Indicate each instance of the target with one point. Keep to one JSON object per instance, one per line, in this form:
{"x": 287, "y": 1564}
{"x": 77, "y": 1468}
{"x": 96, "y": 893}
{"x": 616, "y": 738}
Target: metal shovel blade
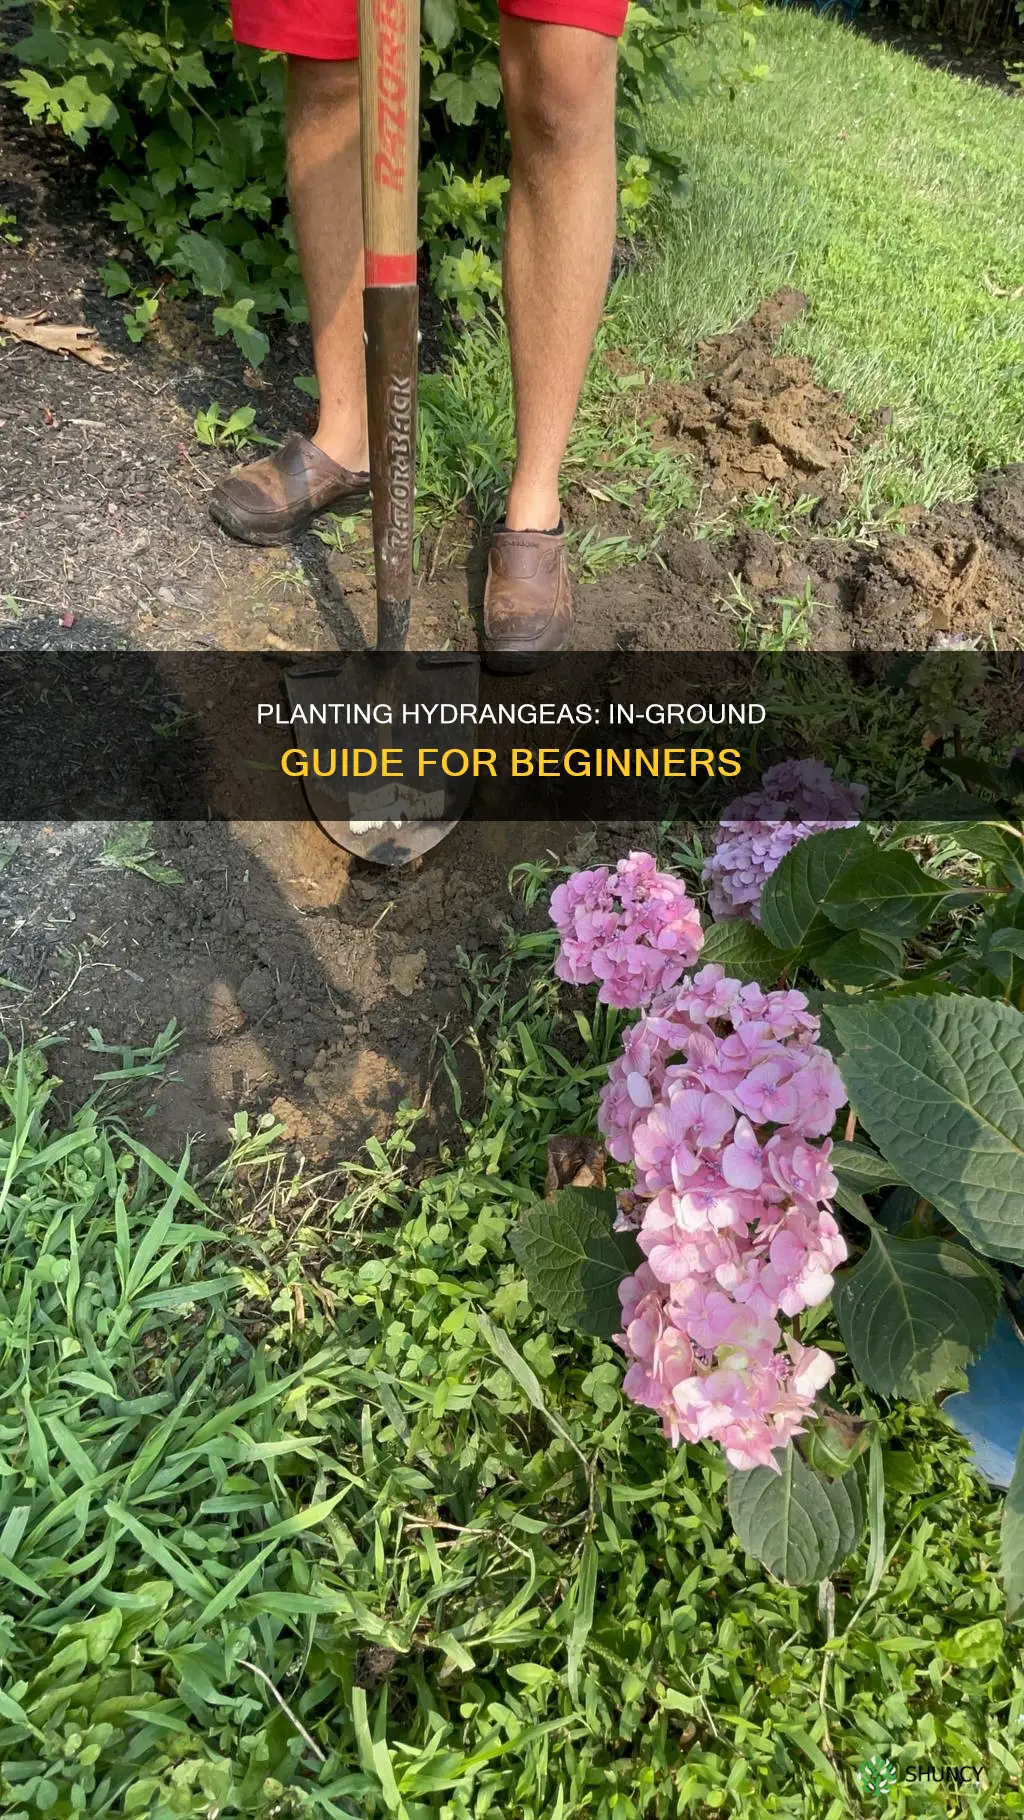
{"x": 379, "y": 724}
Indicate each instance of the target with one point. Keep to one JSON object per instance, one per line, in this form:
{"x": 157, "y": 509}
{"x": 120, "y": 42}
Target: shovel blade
{"x": 389, "y": 819}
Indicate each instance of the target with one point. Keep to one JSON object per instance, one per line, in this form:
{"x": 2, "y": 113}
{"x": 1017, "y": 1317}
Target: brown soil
{"x": 302, "y": 981}
{"x": 753, "y": 421}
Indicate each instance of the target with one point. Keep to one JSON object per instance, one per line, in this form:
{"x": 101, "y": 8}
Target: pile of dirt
{"x": 755, "y": 421}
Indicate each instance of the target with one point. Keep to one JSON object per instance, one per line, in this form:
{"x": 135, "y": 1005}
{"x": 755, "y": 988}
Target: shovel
{"x": 391, "y": 821}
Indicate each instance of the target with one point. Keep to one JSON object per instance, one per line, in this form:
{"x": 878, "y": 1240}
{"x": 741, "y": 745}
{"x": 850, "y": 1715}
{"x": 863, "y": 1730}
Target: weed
{"x": 141, "y": 321}
{"x": 792, "y": 630}
{"x": 766, "y": 512}
{"x": 9, "y": 221}
{"x": 130, "y": 849}
{"x": 336, "y": 531}
{"x": 594, "y": 555}
{"x": 236, "y": 431}
{"x": 668, "y": 488}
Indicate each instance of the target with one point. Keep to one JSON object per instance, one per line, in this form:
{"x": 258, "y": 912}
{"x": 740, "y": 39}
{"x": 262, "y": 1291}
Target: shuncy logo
{"x": 877, "y": 1776}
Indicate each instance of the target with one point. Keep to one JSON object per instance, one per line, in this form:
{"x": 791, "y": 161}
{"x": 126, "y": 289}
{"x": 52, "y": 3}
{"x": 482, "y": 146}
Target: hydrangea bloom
{"x": 796, "y": 799}
{"x": 718, "y": 1098}
{"x": 632, "y": 931}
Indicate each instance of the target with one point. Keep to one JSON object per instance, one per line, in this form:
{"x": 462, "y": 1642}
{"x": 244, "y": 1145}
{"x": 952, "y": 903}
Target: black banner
{"x": 133, "y": 735}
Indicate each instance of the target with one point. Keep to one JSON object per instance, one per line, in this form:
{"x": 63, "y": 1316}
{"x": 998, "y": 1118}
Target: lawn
{"x": 889, "y": 192}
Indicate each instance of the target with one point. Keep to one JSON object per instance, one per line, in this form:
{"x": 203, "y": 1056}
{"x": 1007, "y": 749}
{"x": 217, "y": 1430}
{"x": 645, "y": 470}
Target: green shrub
{"x": 193, "y": 129}
{"x": 971, "y": 22}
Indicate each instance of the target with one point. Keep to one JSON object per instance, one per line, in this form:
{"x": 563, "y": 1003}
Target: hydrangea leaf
{"x": 574, "y": 1261}
{"x": 861, "y": 958}
{"x": 938, "y": 1085}
{"x": 863, "y": 1169}
{"x": 744, "y": 951}
{"x": 914, "y": 1312}
{"x": 1012, "y": 1550}
{"x": 797, "y": 1522}
{"x": 889, "y": 892}
{"x": 797, "y": 891}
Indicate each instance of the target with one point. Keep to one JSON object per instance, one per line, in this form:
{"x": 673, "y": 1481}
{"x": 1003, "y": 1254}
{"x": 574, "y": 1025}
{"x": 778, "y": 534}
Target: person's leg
{"x": 324, "y": 191}
{"x": 559, "y": 83}
{"x": 269, "y": 500}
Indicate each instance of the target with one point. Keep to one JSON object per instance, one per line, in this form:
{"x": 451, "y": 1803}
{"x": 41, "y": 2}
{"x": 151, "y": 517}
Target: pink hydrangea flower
{"x": 716, "y": 1101}
{"x": 797, "y": 799}
{"x": 632, "y": 932}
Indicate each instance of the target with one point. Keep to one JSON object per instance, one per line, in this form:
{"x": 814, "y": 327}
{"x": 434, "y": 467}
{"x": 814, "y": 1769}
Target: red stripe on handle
{"x": 390, "y": 268}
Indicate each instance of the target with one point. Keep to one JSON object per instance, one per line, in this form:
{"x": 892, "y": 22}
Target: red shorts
{"x": 327, "y": 28}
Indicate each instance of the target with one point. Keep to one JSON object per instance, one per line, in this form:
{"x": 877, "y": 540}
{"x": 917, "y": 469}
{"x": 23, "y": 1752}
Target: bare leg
{"x": 559, "y": 86}
{"x": 324, "y": 188}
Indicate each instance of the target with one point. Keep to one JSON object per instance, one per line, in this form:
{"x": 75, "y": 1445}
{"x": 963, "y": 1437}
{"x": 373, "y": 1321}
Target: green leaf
{"x": 861, "y": 958}
{"x": 914, "y": 1312}
{"x": 975, "y": 1646}
{"x": 574, "y": 1261}
{"x": 794, "y": 896}
{"x": 441, "y": 19}
{"x": 1012, "y": 1549}
{"x": 462, "y": 94}
{"x": 863, "y": 1169}
{"x": 744, "y": 951}
{"x": 237, "y": 321}
{"x": 889, "y": 891}
{"x": 115, "y": 280}
{"x": 996, "y": 842}
{"x": 798, "y": 1523}
{"x": 207, "y": 261}
{"x": 938, "y": 1084}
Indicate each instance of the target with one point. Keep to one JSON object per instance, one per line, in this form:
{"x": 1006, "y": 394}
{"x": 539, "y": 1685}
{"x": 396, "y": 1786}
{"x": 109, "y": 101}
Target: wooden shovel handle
{"x": 389, "y": 97}
{"x": 389, "y": 91}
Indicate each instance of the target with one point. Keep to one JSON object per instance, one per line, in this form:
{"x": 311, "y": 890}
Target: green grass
{"x": 255, "y": 1429}
{"x": 887, "y": 191}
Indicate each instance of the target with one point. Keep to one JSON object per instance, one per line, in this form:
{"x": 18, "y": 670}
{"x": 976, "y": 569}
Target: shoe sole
{"x": 246, "y": 531}
{"x": 520, "y": 663}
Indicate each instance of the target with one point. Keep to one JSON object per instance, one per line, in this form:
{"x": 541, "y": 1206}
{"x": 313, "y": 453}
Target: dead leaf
{"x": 57, "y": 337}
{"x": 573, "y": 1162}
{"x": 67, "y": 620}
{"x": 1000, "y": 290}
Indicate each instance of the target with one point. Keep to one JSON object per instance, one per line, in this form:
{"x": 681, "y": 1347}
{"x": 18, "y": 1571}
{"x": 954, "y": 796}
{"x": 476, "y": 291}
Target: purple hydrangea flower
{"x": 798, "y": 798}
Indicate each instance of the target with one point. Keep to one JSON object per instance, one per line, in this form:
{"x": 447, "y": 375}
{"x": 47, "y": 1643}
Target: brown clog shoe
{"x": 527, "y": 599}
{"x": 270, "y": 500}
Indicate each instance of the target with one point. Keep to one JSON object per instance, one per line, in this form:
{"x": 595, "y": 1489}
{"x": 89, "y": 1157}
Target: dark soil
{"x": 302, "y": 981}
{"x": 987, "y": 63}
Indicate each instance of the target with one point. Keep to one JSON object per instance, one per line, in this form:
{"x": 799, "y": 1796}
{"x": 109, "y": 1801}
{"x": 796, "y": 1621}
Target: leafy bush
{"x": 725, "y": 1227}
{"x": 193, "y": 128}
{"x": 970, "y": 22}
